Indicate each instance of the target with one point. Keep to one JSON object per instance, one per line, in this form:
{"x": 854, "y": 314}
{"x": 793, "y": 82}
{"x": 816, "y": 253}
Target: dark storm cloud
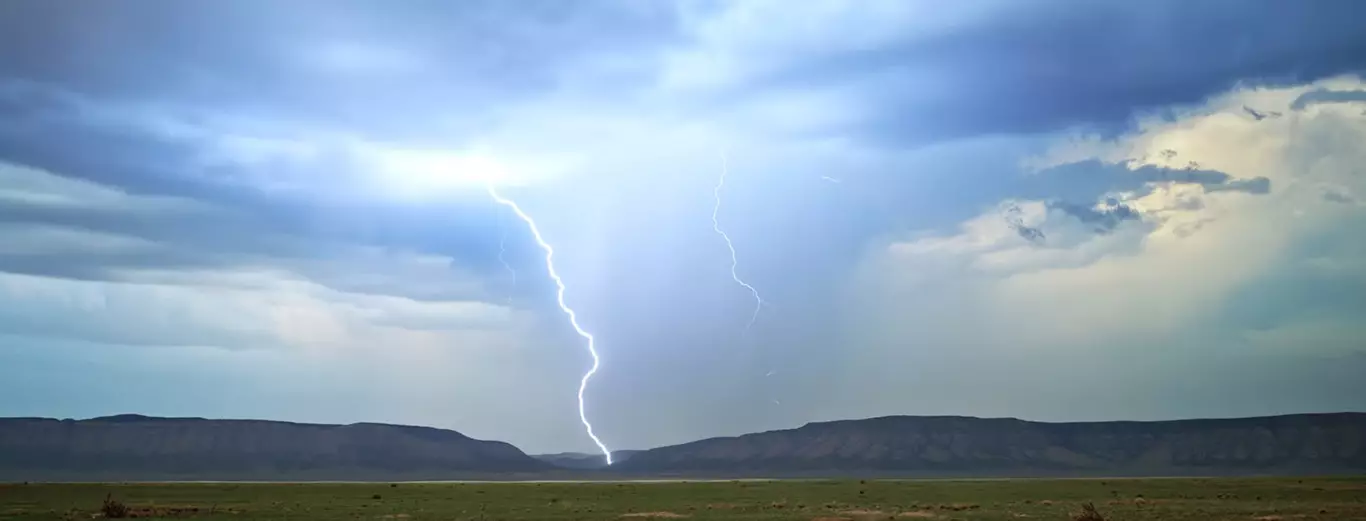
{"x": 1083, "y": 181}
{"x": 1327, "y": 96}
{"x": 1102, "y": 219}
{"x": 1338, "y": 196}
{"x": 1013, "y": 219}
{"x": 1256, "y": 185}
{"x": 355, "y": 246}
{"x": 1260, "y": 115}
{"x": 87, "y": 92}
{"x": 1211, "y": 180}
{"x": 354, "y": 63}
{"x": 1049, "y": 64}
{"x": 84, "y": 86}
{"x": 963, "y": 191}
{"x": 55, "y": 131}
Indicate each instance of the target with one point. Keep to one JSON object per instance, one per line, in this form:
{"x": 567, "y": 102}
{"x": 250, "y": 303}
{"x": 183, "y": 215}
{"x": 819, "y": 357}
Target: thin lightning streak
{"x": 734, "y": 261}
{"x": 559, "y": 297}
{"x": 502, "y": 251}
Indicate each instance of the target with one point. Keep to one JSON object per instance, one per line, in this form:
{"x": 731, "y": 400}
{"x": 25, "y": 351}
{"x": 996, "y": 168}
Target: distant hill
{"x": 946, "y": 445}
{"x": 132, "y": 447}
{"x": 583, "y": 461}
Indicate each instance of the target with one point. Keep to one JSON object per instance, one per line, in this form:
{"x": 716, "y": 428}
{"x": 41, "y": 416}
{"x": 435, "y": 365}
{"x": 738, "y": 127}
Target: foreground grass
{"x": 1258, "y": 499}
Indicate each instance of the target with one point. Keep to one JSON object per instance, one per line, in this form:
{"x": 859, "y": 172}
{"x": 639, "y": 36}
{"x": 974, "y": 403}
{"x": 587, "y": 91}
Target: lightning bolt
{"x": 559, "y": 297}
{"x": 502, "y": 252}
{"x": 734, "y": 261}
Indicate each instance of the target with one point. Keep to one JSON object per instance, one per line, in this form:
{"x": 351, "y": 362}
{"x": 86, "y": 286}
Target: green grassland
{"x": 1261, "y": 499}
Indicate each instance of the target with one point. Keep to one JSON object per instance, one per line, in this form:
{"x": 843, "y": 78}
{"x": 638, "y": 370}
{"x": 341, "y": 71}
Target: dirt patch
{"x": 395, "y": 516}
{"x": 918, "y": 514}
{"x": 832, "y": 519}
{"x": 670, "y": 515}
{"x": 959, "y": 507}
{"x": 863, "y": 513}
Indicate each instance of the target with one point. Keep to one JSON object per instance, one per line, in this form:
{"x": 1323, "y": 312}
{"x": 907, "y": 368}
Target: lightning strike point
{"x": 734, "y": 261}
{"x": 569, "y": 312}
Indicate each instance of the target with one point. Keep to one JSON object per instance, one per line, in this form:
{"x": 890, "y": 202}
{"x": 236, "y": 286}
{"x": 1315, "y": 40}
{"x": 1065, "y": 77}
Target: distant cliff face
{"x": 138, "y": 447}
{"x": 959, "y": 445}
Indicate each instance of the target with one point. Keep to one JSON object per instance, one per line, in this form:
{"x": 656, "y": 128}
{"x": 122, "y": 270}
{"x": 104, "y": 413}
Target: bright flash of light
{"x": 427, "y": 172}
{"x": 568, "y": 311}
{"x": 734, "y": 261}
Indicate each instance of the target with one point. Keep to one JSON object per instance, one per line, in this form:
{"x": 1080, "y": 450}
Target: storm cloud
{"x": 256, "y": 209}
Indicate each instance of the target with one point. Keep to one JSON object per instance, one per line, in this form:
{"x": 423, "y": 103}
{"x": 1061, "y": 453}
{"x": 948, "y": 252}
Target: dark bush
{"x": 113, "y": 508}
{"x": 1088, "y": 513}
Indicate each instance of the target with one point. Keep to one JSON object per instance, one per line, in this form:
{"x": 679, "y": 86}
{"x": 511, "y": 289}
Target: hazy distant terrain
{"x": 584, "y": 461}
{"x": 139, "y": 447}
{"x": 947, "y": 445}
{"x": 132, "y": 447}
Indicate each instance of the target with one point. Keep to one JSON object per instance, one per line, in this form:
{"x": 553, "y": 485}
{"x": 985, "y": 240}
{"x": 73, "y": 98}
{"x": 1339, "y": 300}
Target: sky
{"x": 1049, "y": 210}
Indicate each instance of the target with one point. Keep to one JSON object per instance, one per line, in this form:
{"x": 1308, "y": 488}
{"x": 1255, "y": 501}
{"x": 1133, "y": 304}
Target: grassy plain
{"x": 1250, "y": 499}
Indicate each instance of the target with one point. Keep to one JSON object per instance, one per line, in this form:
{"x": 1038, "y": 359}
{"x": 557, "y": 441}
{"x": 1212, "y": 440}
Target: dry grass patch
{"x": 153, "y": 512}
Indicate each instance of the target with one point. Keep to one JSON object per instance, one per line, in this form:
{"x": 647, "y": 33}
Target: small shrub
{"x": 113, "y": 508}
{"x": 376, "y": 496}
{"x": 1088, "y": 513}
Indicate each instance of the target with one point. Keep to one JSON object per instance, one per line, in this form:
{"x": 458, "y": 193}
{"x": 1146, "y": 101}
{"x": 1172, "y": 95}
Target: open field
{"x": 1252, "y": 499}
